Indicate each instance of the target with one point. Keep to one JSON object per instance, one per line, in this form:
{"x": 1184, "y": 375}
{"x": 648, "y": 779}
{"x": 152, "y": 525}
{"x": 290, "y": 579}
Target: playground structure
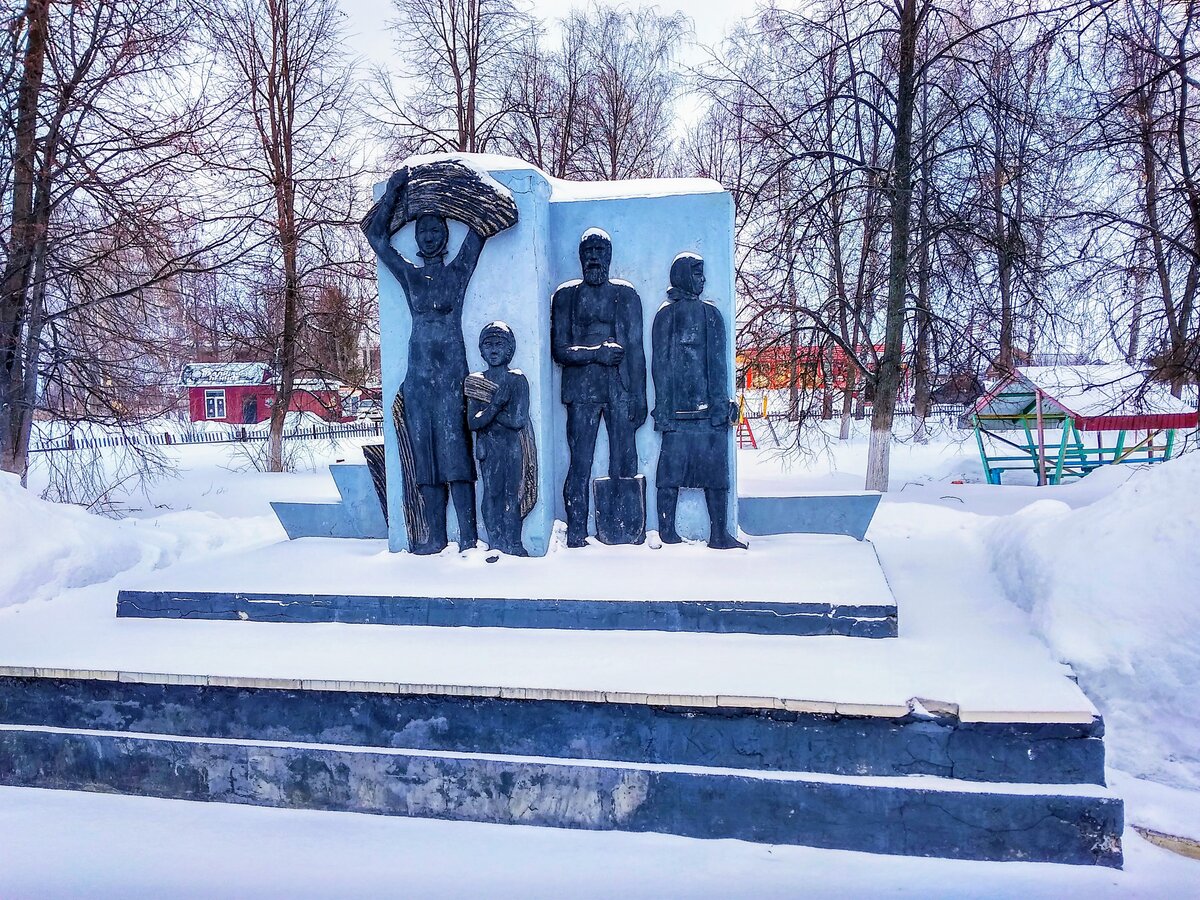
{"x": 745, "y": 434}
{"x": 1054, "y": 407}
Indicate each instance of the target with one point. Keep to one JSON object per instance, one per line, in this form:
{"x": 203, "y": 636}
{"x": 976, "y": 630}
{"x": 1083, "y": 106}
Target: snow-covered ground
{"x": 1101, "y": 570}
{"x": 61, "y": 844}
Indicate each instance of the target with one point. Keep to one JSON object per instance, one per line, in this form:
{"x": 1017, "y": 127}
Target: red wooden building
{"x": 816, "y": 368}
{"x": 243, "y": 394}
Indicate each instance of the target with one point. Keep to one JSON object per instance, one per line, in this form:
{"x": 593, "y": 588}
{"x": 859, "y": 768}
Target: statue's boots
{"x": 433, "y": 498}
{"x": 577, "y": 513}
{"x": 668, "y": 500}
{"x": 719, "y": 537}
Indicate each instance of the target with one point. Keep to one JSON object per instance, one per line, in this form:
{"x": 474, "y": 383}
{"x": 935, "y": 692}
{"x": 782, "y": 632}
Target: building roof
{"x": 247, "y": 374}
{"x": 1107, "y": 397}
{"x": 225, "y": 374}
{"x": 316, "y": 384}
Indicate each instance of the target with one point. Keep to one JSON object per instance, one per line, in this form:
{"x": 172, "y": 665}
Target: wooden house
{"x": 243, "y": 393}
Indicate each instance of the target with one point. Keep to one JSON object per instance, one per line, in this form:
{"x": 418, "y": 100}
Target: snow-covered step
{"x": 760, "y": 733}
{"x": 832, "y": 585}
{"x": 908, "y": 815}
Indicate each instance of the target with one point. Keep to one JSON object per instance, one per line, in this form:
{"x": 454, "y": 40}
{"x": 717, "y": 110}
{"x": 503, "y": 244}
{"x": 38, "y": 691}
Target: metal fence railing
{"x": 232, "y": 436}
{"x": 774, "y": 405}
{"x": 936, "y": 410}
{"x": 333, "y": 431}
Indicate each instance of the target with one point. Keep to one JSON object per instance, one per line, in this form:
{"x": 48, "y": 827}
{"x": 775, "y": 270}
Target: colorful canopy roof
{"x": 1110, "y": 397}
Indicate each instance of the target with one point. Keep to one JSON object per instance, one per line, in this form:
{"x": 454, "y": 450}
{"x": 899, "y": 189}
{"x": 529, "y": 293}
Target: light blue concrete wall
{"x": 847, "y": 513}
{"x": 514, "y": 281}
{"x": 356, "y": 515}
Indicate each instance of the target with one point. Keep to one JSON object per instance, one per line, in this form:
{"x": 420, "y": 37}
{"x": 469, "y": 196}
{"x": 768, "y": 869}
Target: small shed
{"x": 1064, "y": 421}
{"x": 242, "y": 393}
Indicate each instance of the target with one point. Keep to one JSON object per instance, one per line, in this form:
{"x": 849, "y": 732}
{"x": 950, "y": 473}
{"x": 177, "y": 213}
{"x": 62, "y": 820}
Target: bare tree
{"x": 451, "y": 94}
{"x": 103, "y": 124}
{"x": 865, "y": 124}
{"x": 546, "y": 98}
{"x": 632, "y": 90}
{"x": 1142, "y": 138}
{"x": 599, "y": 105}
{"x": 285, "y": 153}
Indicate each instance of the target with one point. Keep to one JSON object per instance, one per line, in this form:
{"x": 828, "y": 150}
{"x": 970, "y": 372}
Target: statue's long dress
{"x": 434, "y": 406}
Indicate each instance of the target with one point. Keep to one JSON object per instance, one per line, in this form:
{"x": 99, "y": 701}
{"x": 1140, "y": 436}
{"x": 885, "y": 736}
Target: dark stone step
{"x": 898, "y": 818}
{"x": 721, "y": 617}
{"x": 761, "y": 739}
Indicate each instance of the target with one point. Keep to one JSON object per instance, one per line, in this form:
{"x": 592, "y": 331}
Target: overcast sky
{"x": 369, "y": 38}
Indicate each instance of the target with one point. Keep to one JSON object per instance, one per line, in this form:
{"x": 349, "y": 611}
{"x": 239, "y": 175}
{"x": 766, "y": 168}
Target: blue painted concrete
{"x": 848, "y": 514}
{"x": 723, "y": 617}
{"x": 731, "y": 737}
{"x": 907, "y": 820}
{"x": 356, "y": 515}
{"x": 517, "y": 273}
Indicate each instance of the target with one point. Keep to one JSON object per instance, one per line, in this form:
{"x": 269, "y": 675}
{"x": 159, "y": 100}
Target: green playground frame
{"x": 1070, "y": 457}
{"x": 1134, "y": 421}
{"x": 1067, "y": 457}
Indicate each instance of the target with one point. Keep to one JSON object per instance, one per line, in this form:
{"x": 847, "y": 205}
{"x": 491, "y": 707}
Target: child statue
{"x": 498, "y": 414}
{"x": 692, "y": 409}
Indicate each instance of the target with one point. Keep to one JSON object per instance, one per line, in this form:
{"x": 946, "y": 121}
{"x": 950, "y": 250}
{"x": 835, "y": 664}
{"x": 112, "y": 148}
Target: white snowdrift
{"x": 1114, "y": 589}
{"x": 46, "y": 548}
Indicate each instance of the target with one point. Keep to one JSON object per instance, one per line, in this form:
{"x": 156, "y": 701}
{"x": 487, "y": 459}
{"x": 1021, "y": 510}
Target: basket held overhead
{"x": 450, "y": 189}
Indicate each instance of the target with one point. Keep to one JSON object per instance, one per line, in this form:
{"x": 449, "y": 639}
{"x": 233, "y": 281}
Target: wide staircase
{"x": 915, "y": 782}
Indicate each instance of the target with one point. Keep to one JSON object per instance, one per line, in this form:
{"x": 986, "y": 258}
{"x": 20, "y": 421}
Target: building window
{"x": 214, "y": 404}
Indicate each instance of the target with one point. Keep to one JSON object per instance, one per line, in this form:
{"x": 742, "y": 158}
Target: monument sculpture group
{"x": 447, "y": 419}
{"x": 550, "y": 350}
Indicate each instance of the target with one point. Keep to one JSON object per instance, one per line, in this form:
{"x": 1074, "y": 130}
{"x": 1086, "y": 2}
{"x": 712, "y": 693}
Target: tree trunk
{"x": 921, "y": 362}
{"x": 852, "y": 379}
{"x": 847, "y": 401}
{"x": 287, "y": 372}
{"x": 924, "y": 315}
{"x": 24, "y": 236}
{"x": 1004, "y": 358}
{"x": 1191, "y": 192}
{"x": 793, "y": 352}
{"x": 287, "y": 339}
{"x": 33, "y": 339}
{"x": 922, "y": 386}
{"x": 1140, "y": 275}
{"x": 824, "y": 377}
{"x": 888, "y": 376}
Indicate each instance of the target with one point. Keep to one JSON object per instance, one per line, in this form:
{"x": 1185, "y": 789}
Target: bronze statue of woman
{"x": 431, "y": 407}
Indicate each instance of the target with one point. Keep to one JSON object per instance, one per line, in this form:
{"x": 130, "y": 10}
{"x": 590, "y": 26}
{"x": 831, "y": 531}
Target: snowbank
{"x": 46, "y": 548}
{"x": 1112, "y": 588}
